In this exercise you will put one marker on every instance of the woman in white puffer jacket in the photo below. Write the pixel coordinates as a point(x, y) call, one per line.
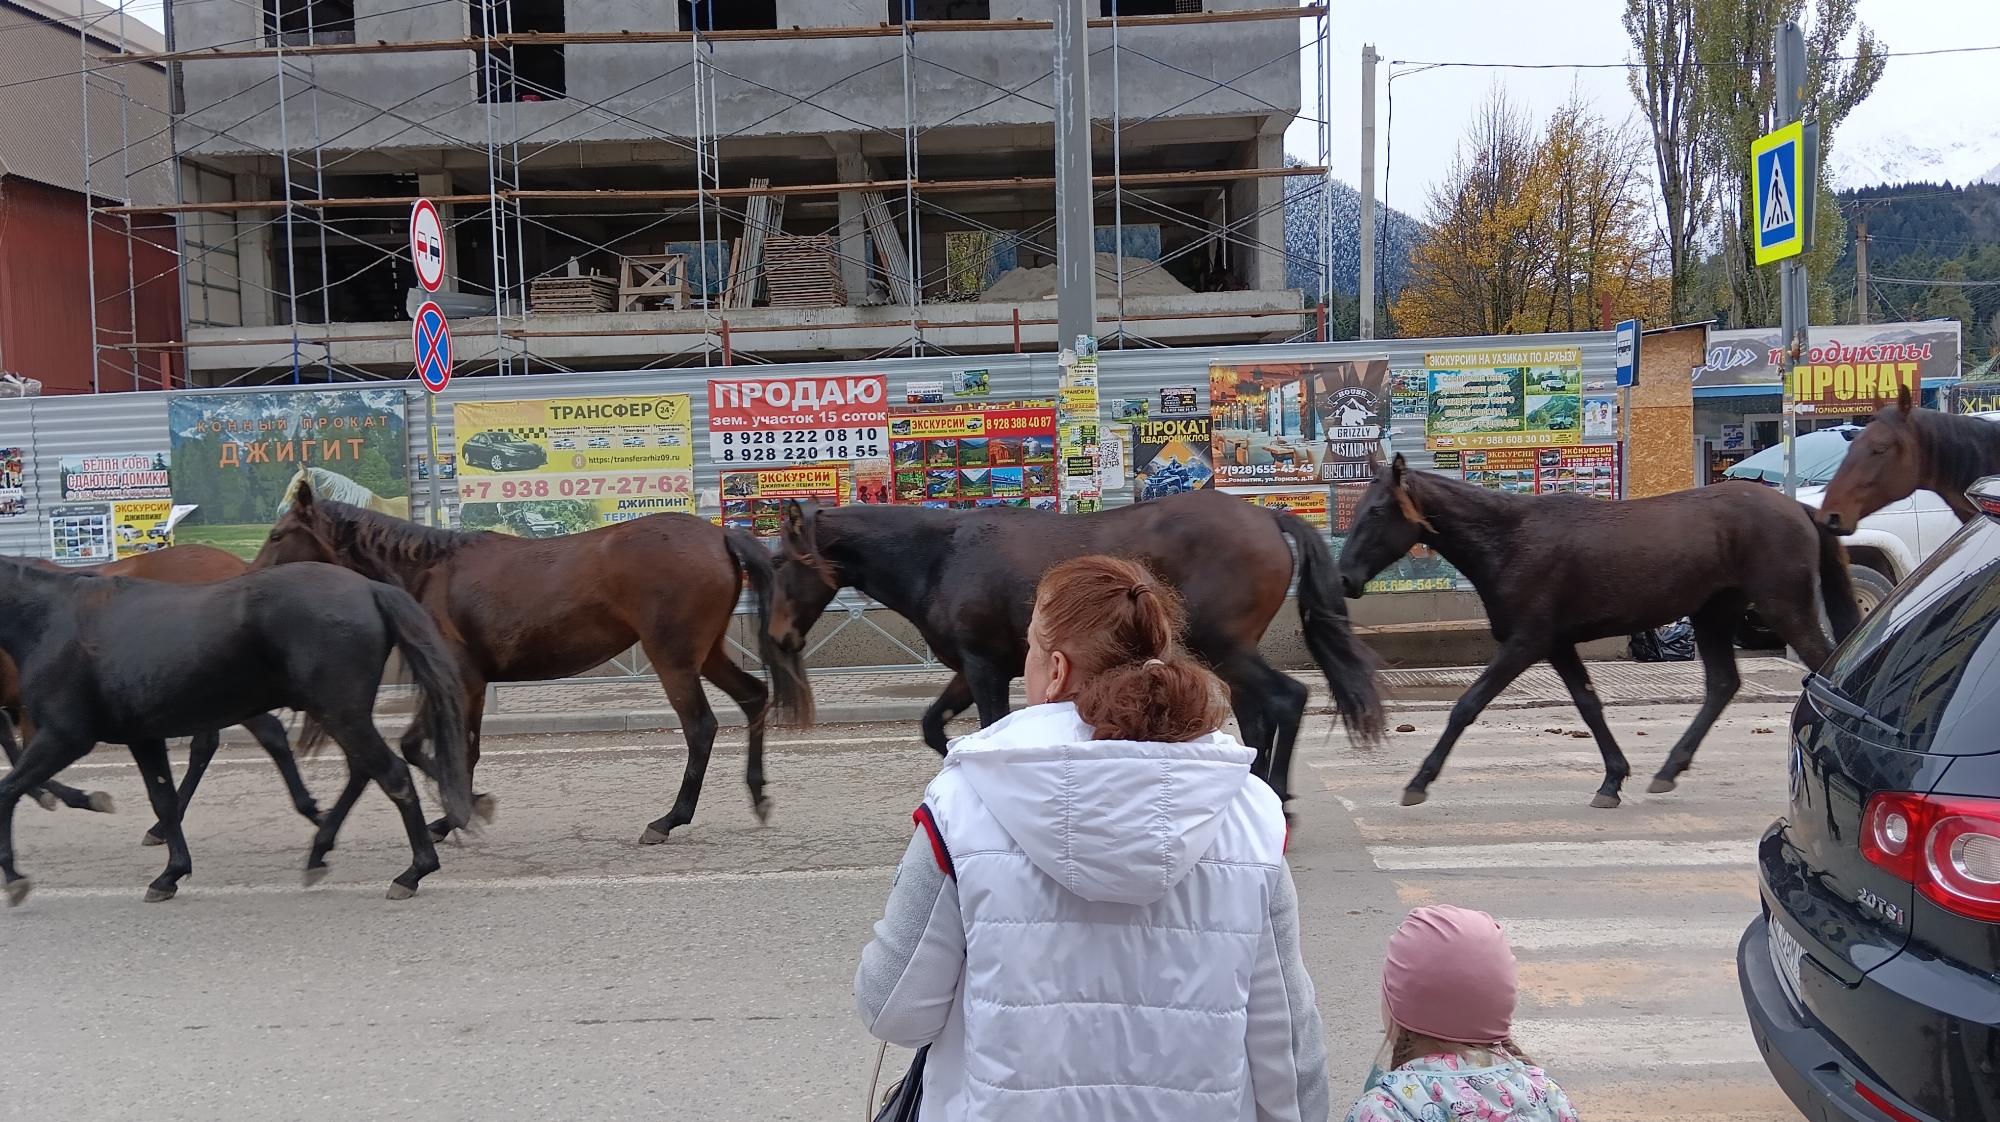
point(1094, 920)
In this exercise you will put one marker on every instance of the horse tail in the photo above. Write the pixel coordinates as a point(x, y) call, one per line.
point(791, 690)
point(1836, 586)
point(440, 694)
point(1350, 667)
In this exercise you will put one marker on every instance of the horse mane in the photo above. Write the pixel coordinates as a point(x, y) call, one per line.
point(1958, 450)
point(388, 548)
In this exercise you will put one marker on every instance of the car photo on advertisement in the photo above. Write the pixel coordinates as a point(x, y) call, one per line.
point(1871, 978)
point(499, 451)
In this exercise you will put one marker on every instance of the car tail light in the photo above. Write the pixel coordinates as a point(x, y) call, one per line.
point(1948, 847)
point(1880, 1102)
point(1988, 503)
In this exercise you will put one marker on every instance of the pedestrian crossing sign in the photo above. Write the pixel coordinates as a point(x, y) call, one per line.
point(1777, 163)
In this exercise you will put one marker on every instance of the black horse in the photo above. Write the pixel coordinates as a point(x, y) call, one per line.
point(967, 580)
point(121, 661)
point(1557, 570)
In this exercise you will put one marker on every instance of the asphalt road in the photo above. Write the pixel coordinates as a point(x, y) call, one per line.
point(556, 969)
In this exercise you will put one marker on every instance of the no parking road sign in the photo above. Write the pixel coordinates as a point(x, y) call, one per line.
point(427, 244)
point(432, 337)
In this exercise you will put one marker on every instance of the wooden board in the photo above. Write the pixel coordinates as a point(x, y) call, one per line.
point(802, 272)
point(589, 294)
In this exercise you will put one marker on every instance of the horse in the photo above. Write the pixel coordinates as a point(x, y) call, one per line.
point(1904, 450)
point(1557, 570)
point(333, 485)
point(967, 580)
point(175, 564)
point(122, 661)
point(530, 609)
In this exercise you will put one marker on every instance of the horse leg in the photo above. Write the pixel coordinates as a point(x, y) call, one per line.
point(747, 691)
point(1795, 617)
point(1278, 702)
point(201, 750)
point(369, 753)
point(45, 755)
point(329, 826)
point(698, 726)
point(270, 733)
point(1514, 657)
point(151, 756)
point(1570, 666)
point(1715, 639)
point(956, 697)
point(989, 689)
point(51, 794)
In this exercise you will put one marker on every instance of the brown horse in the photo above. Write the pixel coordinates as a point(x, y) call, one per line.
point(967, 580)
point(1558, 570)
point(176, 564)
point(526, 610)
point(1905, 450)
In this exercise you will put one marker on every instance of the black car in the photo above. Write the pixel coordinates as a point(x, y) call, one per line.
point(1872, 978)
point(499, 451)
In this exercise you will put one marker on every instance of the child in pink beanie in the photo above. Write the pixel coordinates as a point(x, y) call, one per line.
point(1448, 989)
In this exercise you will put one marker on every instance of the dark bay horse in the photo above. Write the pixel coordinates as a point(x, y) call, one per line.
point(176, 564)
point(121, 661)
point(1905, 450)
point(526, 609)
point(967, 580)
point(1557, 570)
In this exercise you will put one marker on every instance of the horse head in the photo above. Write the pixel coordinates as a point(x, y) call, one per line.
point(1389, 524)
point(806, 580)
point(300, 532)
point(1884, 464)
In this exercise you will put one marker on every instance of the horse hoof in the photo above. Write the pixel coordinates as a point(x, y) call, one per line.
point(762, 808)
point(399, 891)
point(1412, 796)
point(315, 875)
point(100, 801)
point(1659, 786)
point(485, 808)
point(17, 890)
point(46, 800)
point(1604, 802)
point(155, 894)
point(152, 838)
point(653, 836)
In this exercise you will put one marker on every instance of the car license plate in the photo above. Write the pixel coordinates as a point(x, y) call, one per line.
point(1785, 955)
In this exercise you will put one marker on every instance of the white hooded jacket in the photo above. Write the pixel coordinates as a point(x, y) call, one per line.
point(1098, 930)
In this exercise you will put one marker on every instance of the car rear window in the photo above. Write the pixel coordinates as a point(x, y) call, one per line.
point(1928, 660)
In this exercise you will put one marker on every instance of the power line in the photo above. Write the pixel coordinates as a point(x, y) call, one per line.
point(1872, 279)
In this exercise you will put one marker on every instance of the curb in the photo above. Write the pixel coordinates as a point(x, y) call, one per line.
point(898, 712)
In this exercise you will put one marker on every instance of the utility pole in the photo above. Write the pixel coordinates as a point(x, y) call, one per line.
point(1367, 321)
point(1792, 270)
point(1076, 260)
point(1861, 269)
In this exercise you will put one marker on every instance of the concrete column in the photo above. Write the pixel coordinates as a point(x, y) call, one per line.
point(850, 166)
point(436, 185)
point(253, 252)
point(1261, 265)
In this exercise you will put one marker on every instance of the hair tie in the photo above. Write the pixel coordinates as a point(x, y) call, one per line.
point(1133, 592)
point(1152, 662)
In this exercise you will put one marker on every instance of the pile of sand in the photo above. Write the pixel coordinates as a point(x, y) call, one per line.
point(1142, 278)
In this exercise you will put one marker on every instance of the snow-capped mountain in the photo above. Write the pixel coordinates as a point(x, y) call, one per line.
point(1956, 152)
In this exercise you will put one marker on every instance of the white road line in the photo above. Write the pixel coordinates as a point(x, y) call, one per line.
point(1625, 1044)
point(1358, 761)
point(670, 745)
point(446, 882)
point(1599, 932)
point(1564, 855)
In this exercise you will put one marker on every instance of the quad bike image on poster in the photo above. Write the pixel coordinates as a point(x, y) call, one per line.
point(1171, 455)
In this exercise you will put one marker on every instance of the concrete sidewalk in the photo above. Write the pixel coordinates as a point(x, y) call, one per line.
point(598, 705)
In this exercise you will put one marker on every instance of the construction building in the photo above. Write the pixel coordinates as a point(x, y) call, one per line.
point(628, 184)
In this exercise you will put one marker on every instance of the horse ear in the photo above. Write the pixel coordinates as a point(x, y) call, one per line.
point(302, 498)
point(1398, 467)
point(1903, 397)
point(793, 521)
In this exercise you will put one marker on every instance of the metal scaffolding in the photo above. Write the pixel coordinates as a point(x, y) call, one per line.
point(322, 229)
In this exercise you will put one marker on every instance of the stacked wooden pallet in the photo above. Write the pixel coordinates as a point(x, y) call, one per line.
point(889, 252)
point(761, 217)
point(802, 272)
point(570, 295)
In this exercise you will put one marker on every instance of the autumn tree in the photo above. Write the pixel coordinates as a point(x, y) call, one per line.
point(1537, 230)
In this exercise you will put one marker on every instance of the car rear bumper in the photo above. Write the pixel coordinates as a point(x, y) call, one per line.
point(1814, 1074)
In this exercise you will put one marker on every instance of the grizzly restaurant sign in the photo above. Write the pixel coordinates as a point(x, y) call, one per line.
point(1850, 369)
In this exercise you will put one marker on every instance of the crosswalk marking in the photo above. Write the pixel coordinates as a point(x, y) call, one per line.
point(1562, 855)
point(1420, 827)
point(1626, 1042)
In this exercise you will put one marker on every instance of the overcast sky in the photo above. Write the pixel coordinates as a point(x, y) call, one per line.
point(1432, 108)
